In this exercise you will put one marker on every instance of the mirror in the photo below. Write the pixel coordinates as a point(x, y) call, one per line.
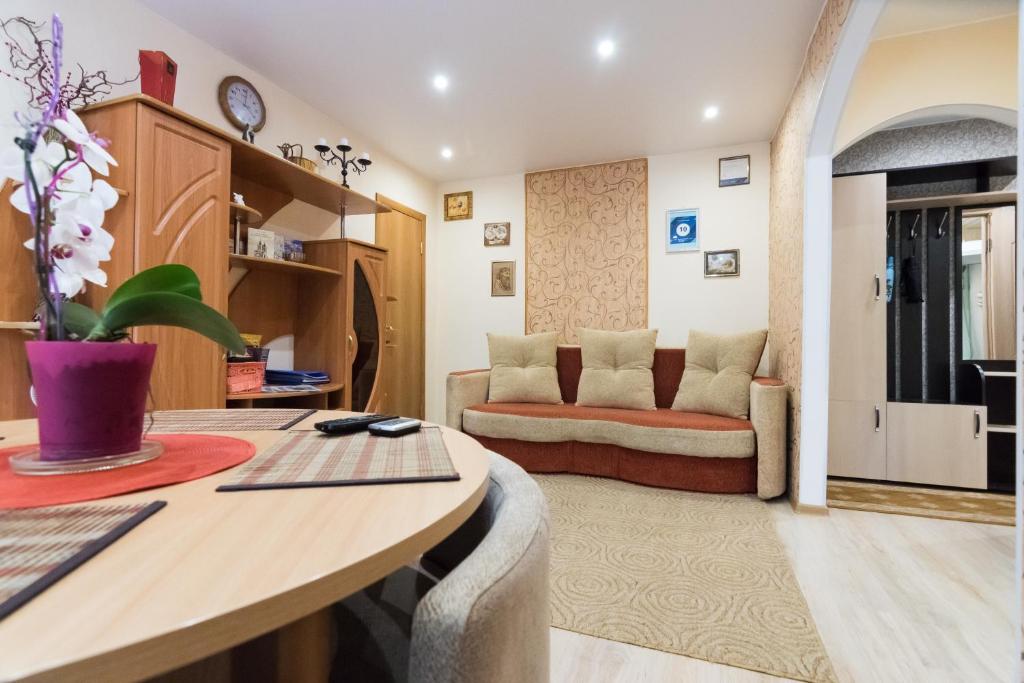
point(987, 294)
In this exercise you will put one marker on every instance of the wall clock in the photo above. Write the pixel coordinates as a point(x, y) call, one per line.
point(242, 105)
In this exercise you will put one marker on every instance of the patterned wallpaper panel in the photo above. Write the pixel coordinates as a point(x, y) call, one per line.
point(952, 142)
point(786, 222)
point(586, 248)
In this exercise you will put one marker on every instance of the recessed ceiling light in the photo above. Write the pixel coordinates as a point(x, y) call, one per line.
point(440, 82)
point(605, 49)
point(710, 112)
point(446, 152)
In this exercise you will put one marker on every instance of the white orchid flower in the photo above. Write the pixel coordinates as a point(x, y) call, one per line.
point(93, 150)
point(78, 243)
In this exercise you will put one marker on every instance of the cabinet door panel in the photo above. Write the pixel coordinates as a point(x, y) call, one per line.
point(942, 445)
point(857, 323)
point(182, 205)
point(365, 334)
point(856, 439)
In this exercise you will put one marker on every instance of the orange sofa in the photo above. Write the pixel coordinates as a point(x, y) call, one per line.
point(662, 447)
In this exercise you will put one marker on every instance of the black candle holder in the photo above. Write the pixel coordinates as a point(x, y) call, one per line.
point(359, 165)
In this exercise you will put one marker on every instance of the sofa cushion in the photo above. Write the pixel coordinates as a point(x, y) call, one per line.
point(668, 370)
point(523, 368)
point(617, 369)
point(654, 431)
point(719, 369)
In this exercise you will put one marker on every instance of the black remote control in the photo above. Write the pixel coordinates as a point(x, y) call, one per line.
point(350, 425)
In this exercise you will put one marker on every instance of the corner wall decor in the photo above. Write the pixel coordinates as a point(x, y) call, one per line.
point(682, 230)
point(497, 234)
point(725, 263)
point(458, 206)
point(503, 278)
point(734, 171)
point(586, 248)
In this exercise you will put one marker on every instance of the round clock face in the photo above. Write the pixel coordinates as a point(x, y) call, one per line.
point(242, 104)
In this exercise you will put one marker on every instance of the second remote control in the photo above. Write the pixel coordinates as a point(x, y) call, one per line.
point(350, 425)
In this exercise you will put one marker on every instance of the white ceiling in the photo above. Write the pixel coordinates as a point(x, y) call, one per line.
point(901, 17)
point(527, 89)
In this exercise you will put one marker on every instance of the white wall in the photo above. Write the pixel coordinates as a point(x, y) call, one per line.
point(107, 34)
point(461, 311)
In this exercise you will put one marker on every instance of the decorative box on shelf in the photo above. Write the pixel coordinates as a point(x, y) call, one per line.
point(245, 377)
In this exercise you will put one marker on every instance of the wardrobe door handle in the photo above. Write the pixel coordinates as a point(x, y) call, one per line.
point(977, 424)
point(878, 419)
point(878, 287)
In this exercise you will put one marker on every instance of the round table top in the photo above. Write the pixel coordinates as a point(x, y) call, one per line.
point(212, 570)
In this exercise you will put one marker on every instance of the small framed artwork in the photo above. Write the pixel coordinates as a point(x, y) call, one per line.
point(724, 263)
point(497, 234)
point(458, 206)
point(503, 278)
point(682, 230)
point(734, 171)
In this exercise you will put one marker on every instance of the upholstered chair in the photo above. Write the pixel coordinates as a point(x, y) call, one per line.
point(477, 609)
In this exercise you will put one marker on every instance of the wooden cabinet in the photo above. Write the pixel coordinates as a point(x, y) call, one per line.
point(349, 338)
point(182, 188)
point(857, 333)
point(939, 444)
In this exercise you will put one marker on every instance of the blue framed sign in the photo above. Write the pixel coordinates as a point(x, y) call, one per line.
point(682, 230)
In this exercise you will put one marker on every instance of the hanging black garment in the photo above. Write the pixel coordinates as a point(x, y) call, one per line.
point(910, 279)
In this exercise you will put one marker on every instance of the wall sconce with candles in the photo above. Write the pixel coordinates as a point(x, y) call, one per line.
point(359, 164)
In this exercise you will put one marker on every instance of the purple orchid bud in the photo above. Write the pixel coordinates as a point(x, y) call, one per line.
point(84, 229)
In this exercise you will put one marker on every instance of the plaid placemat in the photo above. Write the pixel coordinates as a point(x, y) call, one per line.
point(304, 459)
point(227, 420)
point(40, 547)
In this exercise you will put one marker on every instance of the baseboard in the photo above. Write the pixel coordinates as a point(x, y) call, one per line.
point(806, 509)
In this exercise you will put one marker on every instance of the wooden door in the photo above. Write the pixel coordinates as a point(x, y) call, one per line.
point(857, 327)
point(365, 275)
point(938, 444)
point(183, 185)
point(403, 233)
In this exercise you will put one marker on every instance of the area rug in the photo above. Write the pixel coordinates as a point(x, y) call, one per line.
point(695, 574)
point(965, 506)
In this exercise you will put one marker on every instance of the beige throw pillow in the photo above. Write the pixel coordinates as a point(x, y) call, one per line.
point(617, 369)
point(718, 372)
point(523, 369)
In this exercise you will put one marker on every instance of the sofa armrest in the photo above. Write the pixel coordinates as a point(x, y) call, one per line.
point(768, 399)
point(464, 389)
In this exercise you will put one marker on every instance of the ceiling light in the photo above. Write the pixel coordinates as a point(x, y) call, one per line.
point(446, 152)
point(440, 82)
point(710, 112)
point(605, 49)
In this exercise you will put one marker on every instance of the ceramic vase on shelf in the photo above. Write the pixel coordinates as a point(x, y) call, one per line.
point(91, 397)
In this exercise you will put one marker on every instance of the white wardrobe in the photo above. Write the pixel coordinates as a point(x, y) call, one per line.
point(869, 436)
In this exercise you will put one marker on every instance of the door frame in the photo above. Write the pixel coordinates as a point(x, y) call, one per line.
point(422, 217)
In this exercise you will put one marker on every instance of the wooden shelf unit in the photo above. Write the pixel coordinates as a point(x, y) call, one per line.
point(179, 172)
point(261, 395)
point(254, 263)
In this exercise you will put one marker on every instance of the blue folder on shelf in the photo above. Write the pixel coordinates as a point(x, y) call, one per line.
point(296, 377)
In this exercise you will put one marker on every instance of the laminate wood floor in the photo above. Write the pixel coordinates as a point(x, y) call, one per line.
point(895, 598)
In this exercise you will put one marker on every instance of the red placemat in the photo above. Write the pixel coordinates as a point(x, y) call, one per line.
point(185, 457)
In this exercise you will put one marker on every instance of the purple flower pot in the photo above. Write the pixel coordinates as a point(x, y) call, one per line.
point(91, 396)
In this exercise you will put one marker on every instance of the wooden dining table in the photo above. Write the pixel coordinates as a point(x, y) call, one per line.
point(235, 585)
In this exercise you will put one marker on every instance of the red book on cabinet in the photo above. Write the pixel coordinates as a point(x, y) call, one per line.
point(159, 73)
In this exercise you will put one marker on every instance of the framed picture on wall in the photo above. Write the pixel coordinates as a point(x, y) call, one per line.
point(503, 278)
point(458, 206)
point(497, 234)
point(734, 171)
point(725, 263)
point(682, 230)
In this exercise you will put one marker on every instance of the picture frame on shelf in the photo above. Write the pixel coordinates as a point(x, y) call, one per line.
point(497, 234)
point(458, 206)
point(723, 263)
point(261, 243)
point(503, 278)
point(733, 171)
point(682, 230)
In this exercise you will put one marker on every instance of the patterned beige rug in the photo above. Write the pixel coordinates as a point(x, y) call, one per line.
point(896, 499)
point(700, 575)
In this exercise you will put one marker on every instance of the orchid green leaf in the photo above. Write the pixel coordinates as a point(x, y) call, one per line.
point(170, 277)
point(79, 320)
point(167, 308)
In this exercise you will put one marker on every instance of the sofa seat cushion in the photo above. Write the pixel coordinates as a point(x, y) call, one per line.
point(654, 431)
